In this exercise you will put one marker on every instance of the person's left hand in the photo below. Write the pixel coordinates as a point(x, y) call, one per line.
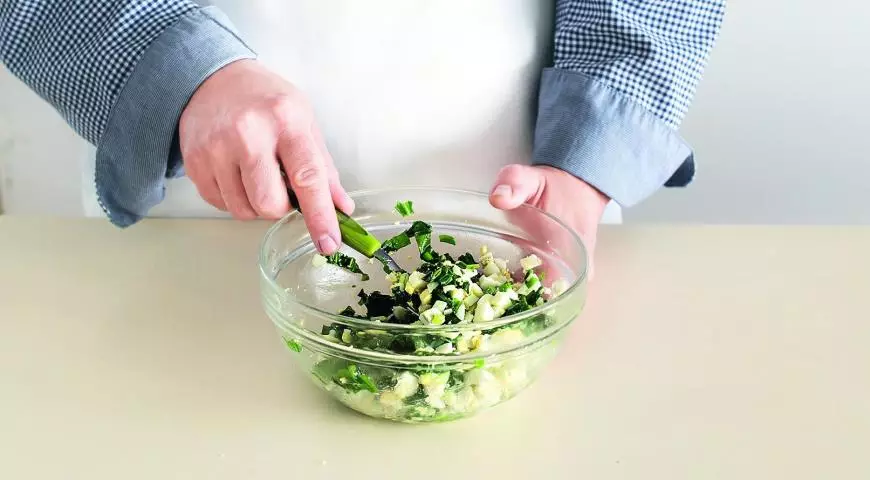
point(558, 193)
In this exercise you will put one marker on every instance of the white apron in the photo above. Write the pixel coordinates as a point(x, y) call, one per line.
point(412, 92)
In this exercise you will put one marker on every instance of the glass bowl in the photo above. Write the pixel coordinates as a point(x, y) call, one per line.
point(392, 371)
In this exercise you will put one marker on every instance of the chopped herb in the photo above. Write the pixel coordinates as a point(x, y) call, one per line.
point(467, 259)
point(532, 281)
point(424, 244)
point(368, 383)
point(443, 275)
point(447, 239)
point(479, 363)
point(351, 378)
point(293, 345)
point(427, 268)
point(400, 295)
point(380, 307)
point(396, 243)
point(405, 208)
point(403, 345)
point(422, 233)
point(327, 370)
point(519, 306)
point(418, 228)
point(377, 304)
point(346, 262)
point(456, 379)
point(525, 302)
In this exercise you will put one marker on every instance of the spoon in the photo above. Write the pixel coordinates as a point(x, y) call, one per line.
point(354, 235)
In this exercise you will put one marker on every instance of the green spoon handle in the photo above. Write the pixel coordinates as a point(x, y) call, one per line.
point(355, 236)
point(352, 233)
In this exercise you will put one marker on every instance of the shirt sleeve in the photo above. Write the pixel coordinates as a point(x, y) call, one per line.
point(623, 77)
point(120, 72)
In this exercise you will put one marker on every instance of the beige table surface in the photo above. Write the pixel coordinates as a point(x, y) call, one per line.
point(705, 353)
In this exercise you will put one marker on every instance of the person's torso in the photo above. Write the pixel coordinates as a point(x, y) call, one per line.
point(418, 92)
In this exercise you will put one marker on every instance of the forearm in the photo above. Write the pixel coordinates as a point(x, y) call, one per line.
point(623, 77)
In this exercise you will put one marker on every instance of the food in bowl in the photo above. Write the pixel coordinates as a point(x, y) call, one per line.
point(456, 334)
point(440, 291)
point(447, 291)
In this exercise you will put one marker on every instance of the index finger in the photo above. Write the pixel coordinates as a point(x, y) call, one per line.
point(309, 179)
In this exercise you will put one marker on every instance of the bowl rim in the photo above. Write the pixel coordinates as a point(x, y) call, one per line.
point(402, 328)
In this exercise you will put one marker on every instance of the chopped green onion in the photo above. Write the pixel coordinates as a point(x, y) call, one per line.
point(346, 262)
point(405, 208)
point(419, 228)
point(293, 345)
point(422, 233)
point(467, 259)
point(532, 281)
point(351, 377)
point(368, 383)
point(447, 239)
point(396, 243)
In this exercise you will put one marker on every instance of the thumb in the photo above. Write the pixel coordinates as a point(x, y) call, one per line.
point(515, 185)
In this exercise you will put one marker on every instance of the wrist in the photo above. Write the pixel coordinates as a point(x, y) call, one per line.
point(592, 201)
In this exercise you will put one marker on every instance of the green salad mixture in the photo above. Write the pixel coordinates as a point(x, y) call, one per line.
point(442, 291)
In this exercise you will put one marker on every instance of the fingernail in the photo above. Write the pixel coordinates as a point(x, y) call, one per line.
point(502, 191)
point(326, 244)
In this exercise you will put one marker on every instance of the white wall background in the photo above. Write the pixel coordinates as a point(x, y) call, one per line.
point(39, 155)
point(781, 122)
point(780, 126)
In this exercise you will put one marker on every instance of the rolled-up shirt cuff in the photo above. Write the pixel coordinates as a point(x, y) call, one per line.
point(604, 138)
point(139, 149)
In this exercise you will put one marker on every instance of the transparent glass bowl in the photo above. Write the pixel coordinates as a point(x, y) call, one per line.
point(506, 354)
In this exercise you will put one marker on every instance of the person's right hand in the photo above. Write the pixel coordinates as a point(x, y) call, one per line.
point(239, 126)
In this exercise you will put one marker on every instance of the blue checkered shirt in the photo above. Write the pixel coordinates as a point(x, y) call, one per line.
point(121, 71)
